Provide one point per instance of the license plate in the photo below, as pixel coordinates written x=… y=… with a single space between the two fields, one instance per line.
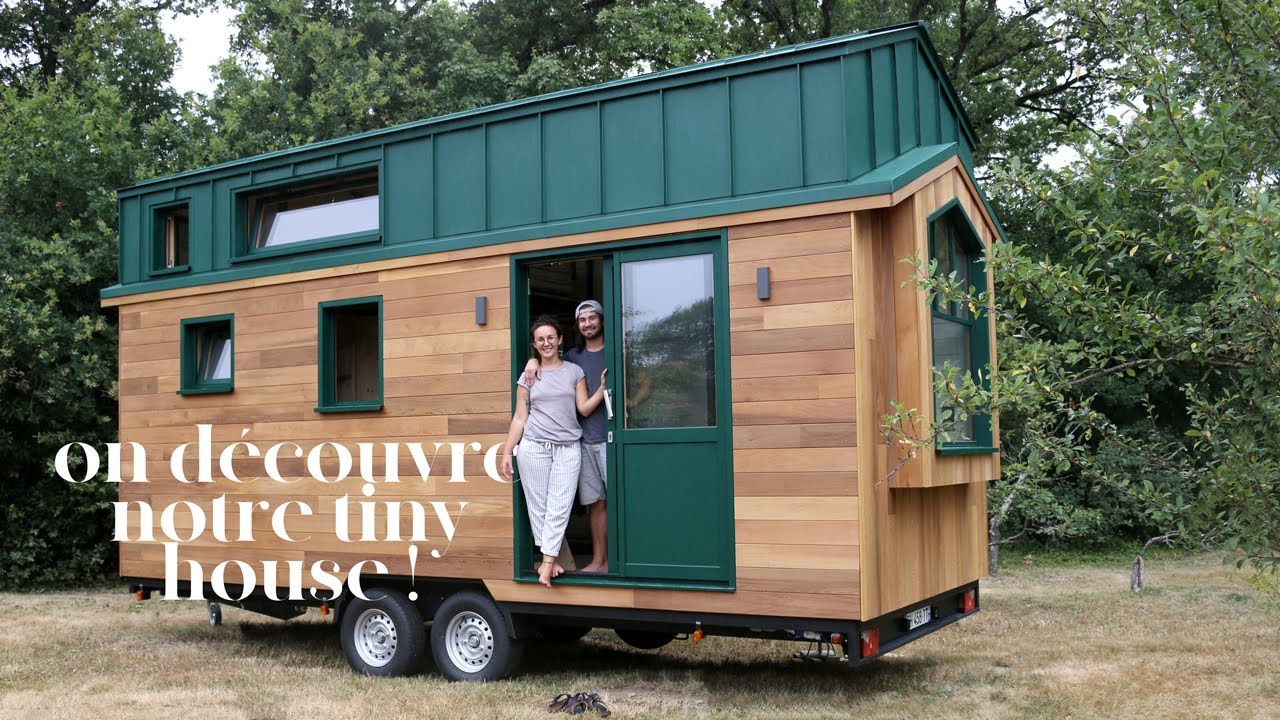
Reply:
x=919 y=617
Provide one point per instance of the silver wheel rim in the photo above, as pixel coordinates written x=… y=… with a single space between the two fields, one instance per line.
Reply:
x=375 y=636
x=469 y=641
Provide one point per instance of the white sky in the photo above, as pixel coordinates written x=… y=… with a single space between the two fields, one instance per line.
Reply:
x=204 y=40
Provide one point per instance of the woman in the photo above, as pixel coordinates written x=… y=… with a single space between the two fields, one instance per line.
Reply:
x=545 y=424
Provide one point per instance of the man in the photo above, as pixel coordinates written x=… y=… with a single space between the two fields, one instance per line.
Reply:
x=589 y=355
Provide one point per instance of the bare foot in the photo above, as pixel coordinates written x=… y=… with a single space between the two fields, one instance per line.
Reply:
x=596 y=567
x=546 y=571
x=557 y=570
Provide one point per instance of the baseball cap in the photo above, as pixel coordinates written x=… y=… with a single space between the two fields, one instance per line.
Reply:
x=586 y=305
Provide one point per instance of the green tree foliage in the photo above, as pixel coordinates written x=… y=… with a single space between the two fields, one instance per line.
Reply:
x=597 y=40
x=1026 y=71
x=81 y=119
x=309 y=70
x=303 y=71
x=1168 y=290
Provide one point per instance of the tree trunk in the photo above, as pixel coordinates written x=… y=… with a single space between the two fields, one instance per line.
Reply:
x=993 y=546
x=1139 y=573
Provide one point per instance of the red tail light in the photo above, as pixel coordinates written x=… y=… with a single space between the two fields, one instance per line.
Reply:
x=870 y=642
x=969 y=601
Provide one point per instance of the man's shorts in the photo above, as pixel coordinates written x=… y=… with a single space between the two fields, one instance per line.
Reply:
x=592 y=473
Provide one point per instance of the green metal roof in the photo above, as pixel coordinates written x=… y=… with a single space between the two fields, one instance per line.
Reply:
x=837 y=118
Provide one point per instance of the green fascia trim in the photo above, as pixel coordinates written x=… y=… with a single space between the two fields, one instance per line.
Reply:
x=676 y=77
x=900 y=171
x=891 y=177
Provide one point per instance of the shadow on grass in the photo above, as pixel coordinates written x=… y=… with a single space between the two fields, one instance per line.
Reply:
x=775 y=676
x=278 y=640
x=765 y=672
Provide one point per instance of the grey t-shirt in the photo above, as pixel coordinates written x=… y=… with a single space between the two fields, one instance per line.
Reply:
x=553 y=406
x=592 y=364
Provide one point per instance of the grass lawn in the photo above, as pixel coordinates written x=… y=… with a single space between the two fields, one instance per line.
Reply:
x=1052 y=641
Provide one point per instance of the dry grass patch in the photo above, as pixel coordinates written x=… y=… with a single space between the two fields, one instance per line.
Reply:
x=1050 y=642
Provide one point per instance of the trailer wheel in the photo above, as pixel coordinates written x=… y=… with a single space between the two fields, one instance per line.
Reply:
x=383 y=635
x=644 y=639
x=215 y=614
x=470 y=639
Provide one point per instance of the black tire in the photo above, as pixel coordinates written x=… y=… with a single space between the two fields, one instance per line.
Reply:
x=471 y=641
x=645 y=639
x=383 y=635
x=215 y=614
x=563 y=633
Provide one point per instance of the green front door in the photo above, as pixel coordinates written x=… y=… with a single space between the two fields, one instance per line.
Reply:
x=673 y=491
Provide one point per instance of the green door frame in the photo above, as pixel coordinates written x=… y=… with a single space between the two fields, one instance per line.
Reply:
x=714 y=242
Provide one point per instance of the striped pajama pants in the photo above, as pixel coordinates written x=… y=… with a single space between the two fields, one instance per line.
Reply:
x=549 y=474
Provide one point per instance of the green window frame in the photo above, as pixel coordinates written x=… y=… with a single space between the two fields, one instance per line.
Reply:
x=207 y=355
x=350 y=355
x=960 y=335
x=170 y=238
x=324 y=212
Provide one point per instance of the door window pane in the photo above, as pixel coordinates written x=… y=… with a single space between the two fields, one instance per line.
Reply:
x=668 y=342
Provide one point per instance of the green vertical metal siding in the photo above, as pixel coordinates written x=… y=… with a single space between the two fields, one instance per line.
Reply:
x=823 y=122
x=884 y=106
x=927 y=92
x=130 y=239
x=201 y=238
x=514 y=159
x=319 y=165
x=631 y=170
x=768 y=151
x=408 y=188
x=266 y=176
x=767 y=128
x=571 y=169
x=859 y=124
x=908 y=115
x=460 y=183
x=696 y=142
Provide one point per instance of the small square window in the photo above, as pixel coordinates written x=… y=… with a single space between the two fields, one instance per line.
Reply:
x=350 y=359
x=208 y=355
x=172 y=228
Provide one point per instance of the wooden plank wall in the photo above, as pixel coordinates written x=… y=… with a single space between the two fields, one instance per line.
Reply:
x=447 y=379
x=923 y=522
x=794 y=413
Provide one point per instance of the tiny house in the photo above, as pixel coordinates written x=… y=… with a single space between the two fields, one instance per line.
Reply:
x=318 y=349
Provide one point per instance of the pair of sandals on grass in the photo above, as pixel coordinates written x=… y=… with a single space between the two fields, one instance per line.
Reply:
x=578 y=704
